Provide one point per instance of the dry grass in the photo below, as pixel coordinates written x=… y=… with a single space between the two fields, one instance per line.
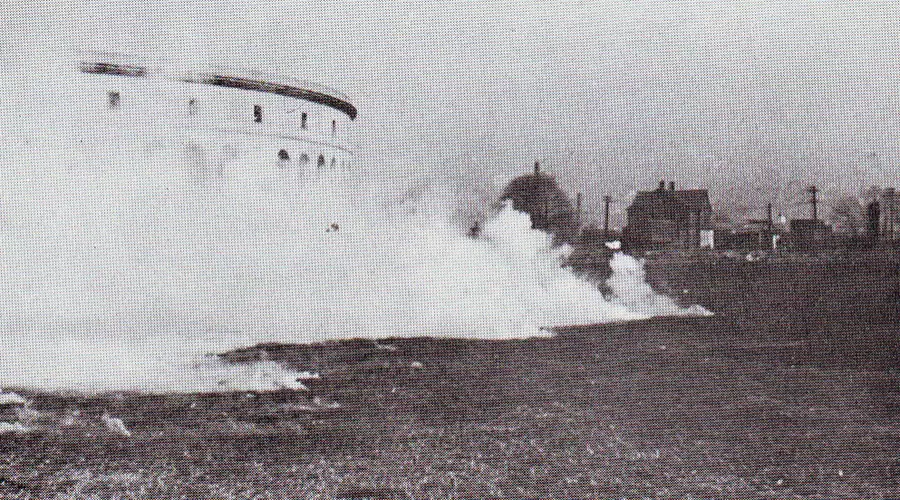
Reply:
x=791 y=390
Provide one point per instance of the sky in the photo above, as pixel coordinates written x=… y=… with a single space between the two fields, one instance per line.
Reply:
x=754 y=100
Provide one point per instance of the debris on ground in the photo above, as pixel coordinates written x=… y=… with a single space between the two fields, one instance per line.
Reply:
x=115 y=425
x=13 y=428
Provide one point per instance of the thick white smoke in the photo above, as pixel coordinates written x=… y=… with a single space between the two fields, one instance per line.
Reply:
x=119 y=273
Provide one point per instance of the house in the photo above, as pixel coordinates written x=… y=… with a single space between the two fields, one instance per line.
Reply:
x=666 y=218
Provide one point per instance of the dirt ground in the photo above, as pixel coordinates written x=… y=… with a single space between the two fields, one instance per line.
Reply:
x=791 y=390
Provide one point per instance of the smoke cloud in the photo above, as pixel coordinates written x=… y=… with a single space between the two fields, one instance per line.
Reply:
x=120 y=273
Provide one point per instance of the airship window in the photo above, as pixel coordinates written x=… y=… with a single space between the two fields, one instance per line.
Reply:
x=333 y=163
x=192 y=107
x=303 y=118
x=333 y=127
x=321 y=163
x=284 y=159
x=304 y=160
x=257 y=113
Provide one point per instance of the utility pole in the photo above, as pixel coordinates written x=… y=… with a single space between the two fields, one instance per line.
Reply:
x=813 y=190
x=769 y=219
x=542 y=196
x=578 y=211
x=891 y=215
x=606 y=201
x=889 y=195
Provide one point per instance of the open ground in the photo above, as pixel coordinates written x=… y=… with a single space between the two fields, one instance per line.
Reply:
x=790 y=390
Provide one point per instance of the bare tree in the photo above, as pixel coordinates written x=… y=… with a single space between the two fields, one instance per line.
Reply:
x=550 y=209
x=848 y=214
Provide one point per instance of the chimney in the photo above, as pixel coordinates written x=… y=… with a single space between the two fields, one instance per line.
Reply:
x=662 y=185
x=671 y=186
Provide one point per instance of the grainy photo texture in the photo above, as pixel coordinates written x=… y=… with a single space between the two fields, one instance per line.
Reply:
x=410 y=249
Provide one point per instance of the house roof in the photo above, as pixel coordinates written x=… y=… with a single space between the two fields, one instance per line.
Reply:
x=122 y=65
x=682 y=201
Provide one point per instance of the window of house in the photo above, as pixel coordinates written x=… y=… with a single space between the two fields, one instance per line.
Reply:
x=257 y=113
x=303 y=118
x=321 y=162
x=115 y=99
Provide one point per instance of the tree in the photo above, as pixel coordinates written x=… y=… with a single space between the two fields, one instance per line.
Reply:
x=849 y=214
x=550 y=209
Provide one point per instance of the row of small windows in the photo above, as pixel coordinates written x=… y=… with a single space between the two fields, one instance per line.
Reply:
x=284 y=160
x=115 y=101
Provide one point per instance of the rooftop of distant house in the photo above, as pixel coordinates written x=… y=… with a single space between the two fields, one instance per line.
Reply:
x=663 y=198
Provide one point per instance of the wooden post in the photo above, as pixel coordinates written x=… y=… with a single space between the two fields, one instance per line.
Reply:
x=578 y=211
x=606 y=201
x=813 y=190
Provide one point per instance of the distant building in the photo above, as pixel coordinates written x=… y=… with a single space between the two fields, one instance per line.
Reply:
x=873 y=217
x=746 y=239
x=809 y=234
x=888 y=211
x=217 y=115
x=666 y=218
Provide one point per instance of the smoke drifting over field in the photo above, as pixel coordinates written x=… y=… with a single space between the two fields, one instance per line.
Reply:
x=121 y=273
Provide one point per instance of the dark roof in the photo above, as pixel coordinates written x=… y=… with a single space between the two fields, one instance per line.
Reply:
x=683 y=201
x=287 y=88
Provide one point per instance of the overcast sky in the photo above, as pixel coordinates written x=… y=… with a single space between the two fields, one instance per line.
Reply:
x=612 y=95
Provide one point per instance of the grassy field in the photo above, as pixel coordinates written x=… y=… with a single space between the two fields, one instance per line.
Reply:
x=791 y=390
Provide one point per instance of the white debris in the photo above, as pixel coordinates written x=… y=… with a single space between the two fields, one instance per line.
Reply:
x=291 y=381
x=241 y=426
x=320 y=402
x=27 y=415
x=416 y=364
x=13 y=428
x=753 y=257
x=308 y=376
x=70 y=419
x=614 y=245
x=11 y=398
x=115 y=425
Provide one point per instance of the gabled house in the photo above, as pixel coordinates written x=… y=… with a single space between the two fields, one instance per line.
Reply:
x=666 y=218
